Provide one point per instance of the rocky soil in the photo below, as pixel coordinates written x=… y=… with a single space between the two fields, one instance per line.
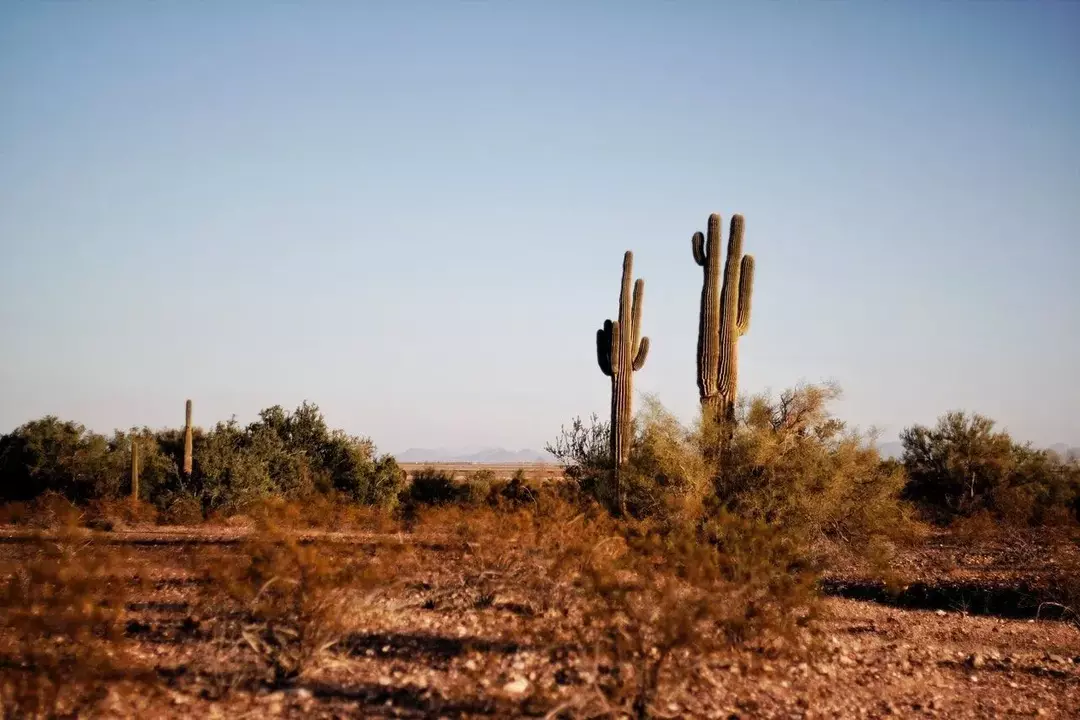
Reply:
x=428 y=649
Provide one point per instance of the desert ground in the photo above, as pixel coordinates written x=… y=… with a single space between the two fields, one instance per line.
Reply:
x=969 y=631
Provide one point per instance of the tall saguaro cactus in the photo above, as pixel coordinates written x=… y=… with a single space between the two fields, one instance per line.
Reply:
x=187 y=439
x=621 y=351
x=134 y=469
x=725 y=315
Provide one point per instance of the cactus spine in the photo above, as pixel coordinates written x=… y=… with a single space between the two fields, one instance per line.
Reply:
x=134 y=469
x=187 y=439
x=621 y=351
x=725 y=315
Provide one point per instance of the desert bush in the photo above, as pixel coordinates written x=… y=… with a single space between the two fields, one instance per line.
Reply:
x=790 y=462
x=119 y=513
x=64 y=457
x=293 y=455
x=585 y=452
x=299 y=598
x=667 y=476
x=963 y=466
x=787 y=461
x=179 y=508
x=63 y=615
x=654 y=590
x=432 y=486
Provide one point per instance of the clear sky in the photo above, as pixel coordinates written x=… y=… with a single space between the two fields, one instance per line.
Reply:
x=414 y=213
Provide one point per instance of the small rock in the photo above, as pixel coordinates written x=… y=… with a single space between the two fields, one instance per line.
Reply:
x=520 y=686
x=304 y=694
x=384 y=680
x=846 y=661
x=973 y=678
x=942 y=613
x=470 y=664
x=975 y=661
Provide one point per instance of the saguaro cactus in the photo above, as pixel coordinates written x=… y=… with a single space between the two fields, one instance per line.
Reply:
x=620 y=351
x=725 y=315
x=187 y=439
x=134 y=469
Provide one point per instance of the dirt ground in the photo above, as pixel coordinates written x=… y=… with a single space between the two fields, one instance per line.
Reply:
x=954 y=644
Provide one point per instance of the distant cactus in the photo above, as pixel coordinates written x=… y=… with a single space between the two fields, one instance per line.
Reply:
x=621 y=351
x=187 y=439
x=725 y=315
x=134 y=469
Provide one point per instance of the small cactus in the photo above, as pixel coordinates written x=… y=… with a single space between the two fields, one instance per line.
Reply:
x=621 y=351
x=725 y=315
x=134 y=469
x=187 y=439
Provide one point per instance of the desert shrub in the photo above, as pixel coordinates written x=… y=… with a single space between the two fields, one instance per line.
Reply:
x=181 y=509
x=299 y=598
x=788 y=462
x=517 y=491
x=666 y=476
x=432 y=486
x=63 y=616
x=963 y=466
x=652 y=591
x=293 y=455
x=791 y=463
x=120 y=512
x=585 y=452
x=64 y=457
x=480 y=487
x=53 y=510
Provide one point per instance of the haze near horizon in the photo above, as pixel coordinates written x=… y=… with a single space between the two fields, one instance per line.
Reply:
x=413 y=214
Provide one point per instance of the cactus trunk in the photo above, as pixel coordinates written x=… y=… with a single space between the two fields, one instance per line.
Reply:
x=134 y=469
x=187 y=439
x=724 y=316
x=620 y=352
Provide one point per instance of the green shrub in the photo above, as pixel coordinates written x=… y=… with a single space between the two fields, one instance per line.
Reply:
x=291 y=455
x=432 y=486
x=963 y=467
x=792 y=463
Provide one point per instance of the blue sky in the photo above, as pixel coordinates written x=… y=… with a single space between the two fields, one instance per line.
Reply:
x=413 y=213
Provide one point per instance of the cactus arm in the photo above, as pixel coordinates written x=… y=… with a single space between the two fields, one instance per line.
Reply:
x=643 y=351
x=635 y=313
x=746 y=291
x=697 y=244
x=603 y=348
x=708 y=360
x=615 y=347
x=625 y=315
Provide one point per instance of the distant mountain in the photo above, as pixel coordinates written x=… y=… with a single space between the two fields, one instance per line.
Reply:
x=469 y=455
